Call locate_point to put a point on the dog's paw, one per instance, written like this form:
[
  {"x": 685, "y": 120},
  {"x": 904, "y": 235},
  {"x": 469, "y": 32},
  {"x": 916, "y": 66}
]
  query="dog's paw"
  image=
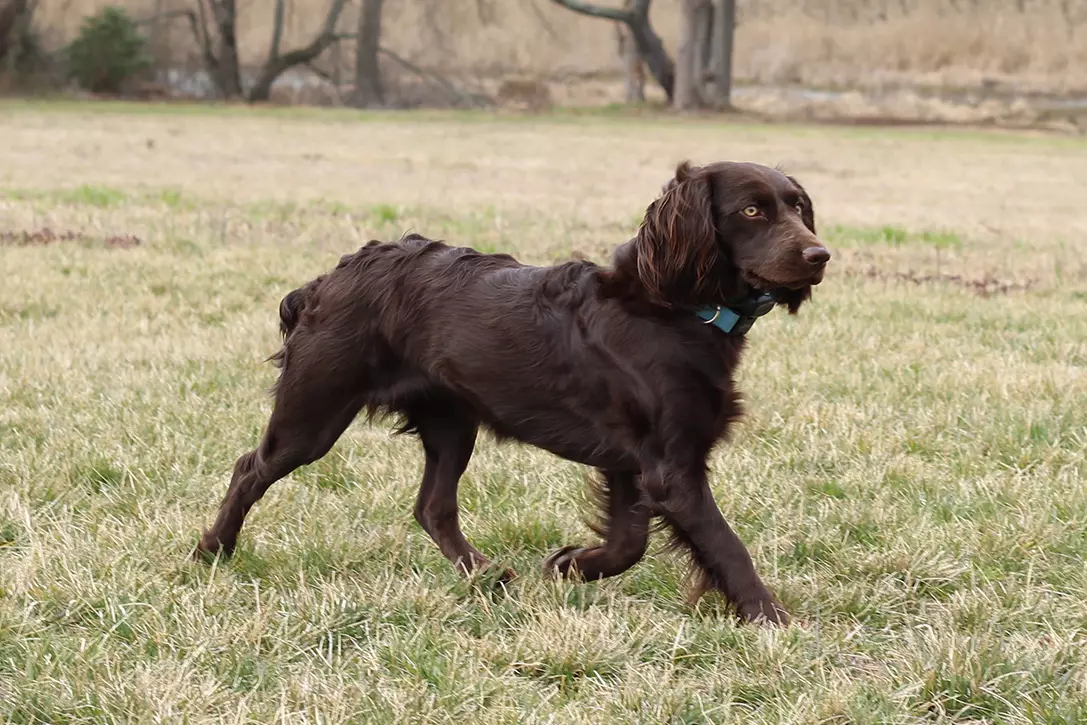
[
  {"x": 210, "y": 547},
  {"x": 560, "y": 563},
  {"x": 501, "y": 576},
  {"x": 763, "y": 611}
]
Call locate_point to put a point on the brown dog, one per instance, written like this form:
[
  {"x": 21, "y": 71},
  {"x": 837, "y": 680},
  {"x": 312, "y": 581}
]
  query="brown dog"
[{"x": 627, "y": 368}]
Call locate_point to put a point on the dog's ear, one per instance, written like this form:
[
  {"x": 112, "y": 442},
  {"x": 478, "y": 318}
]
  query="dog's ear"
[{"x": 677, "y": 242}]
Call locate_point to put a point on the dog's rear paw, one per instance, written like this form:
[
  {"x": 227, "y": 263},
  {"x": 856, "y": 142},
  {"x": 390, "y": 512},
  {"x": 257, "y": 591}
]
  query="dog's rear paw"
[
  {"x": 561, "y": 563},
  {"x": 501, "y": 575}
]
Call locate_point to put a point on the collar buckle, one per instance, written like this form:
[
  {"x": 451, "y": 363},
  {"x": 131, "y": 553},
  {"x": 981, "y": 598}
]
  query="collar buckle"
[{"x": 737, "y": 316}]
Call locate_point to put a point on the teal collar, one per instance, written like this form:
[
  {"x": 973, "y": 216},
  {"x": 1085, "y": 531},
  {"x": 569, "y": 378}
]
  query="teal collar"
[{"x": 737, "y": 316}]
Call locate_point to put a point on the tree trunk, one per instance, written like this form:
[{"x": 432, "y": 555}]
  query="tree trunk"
[
  {"x": 687, "y": 94},
  {"x": 633, "y": 68},
  {"x": 724, "y": 30},
  {"x": 228, "y": 75},
  {"x": 653, "y": 53},
  {"x": 705, "y": 43},
  {"x": 368, "y": 90},
  {"x": 278, "y": 64},
  {"x": 12, "y": 13},
  {"x": 634, "y": 71}
]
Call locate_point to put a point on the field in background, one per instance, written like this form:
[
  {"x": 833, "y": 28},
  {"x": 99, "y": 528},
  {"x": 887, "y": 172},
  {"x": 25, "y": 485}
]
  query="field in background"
[
  {"x": 909, "y": 478},
  {"x": 1030, "y": 45}
]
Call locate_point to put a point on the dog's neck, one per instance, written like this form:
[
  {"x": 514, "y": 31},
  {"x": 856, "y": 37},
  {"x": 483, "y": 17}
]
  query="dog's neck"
[
  {"x": 732, "y": 310},
  {"x": 736, "y": 317}
]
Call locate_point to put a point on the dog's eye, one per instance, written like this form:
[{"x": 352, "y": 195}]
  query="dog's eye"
[
  {"x": 751, "y": 211},
  {"x": 799, "y": 207}
]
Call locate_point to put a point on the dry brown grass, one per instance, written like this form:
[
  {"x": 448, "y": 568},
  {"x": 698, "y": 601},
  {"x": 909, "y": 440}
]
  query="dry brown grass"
[
  {"x": 922, "y": 179},
  {"x": 909, "y": 477},
  {"x": 1042, "y": 46}
]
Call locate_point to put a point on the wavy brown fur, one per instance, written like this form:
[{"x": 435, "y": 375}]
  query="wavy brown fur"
[{"x": 604, "y": 365}]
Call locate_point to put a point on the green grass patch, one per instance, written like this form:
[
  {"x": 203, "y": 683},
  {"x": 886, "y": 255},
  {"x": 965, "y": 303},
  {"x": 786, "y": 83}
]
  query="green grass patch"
[{"x": 891, "y": 236}]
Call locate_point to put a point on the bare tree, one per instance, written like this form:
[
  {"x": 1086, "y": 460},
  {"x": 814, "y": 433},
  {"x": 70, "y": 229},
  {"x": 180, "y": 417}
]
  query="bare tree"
[
  {"x": 650, "y": 47},
  {"x": 705, "y": 40},
  {"x": 368, "y": 89},
  {"x": 688, "y": 57},
  {"x": 277, "y": 64},
  {"x": 724, "y": 31},
  {"x": 13, "y": 16},
  {"x": 633, "y": 67},
  {"x": 223, "y": 63}
]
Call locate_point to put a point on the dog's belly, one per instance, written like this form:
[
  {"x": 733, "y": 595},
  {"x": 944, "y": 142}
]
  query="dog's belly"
[{"x": 564, "y": 435}]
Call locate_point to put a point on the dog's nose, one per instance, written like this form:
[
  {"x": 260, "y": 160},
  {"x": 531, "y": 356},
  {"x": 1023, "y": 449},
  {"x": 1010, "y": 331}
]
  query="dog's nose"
[{"x": 816, "y": 256}]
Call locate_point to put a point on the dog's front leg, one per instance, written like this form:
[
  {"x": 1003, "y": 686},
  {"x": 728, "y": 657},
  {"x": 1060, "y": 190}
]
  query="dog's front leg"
[{"x": 684, "y": 499}]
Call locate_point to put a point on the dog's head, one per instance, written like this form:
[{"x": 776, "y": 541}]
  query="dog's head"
[{"x": 723, "y": 230}]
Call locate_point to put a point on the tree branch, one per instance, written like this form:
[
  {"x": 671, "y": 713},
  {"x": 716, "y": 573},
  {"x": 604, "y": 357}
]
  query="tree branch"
[
  {"x": 280, "y": 63},
  {"x": 325, "y": 76},
  {"x": 169, "y": 15},
  {"x": 542, "y": 19},
  {"x": 277, "y": 31},
  {"x": 485, "y": 12},
  {"x": 412, "y": 68},
  {"x": 636, "y": 17},
  {"x": 203, "y": 41},
  {"x": 424, "y": 74},
  {"x": 622, "y": 16}
]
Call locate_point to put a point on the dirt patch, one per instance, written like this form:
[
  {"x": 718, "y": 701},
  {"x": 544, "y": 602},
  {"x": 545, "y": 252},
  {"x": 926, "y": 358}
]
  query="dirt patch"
[
  {"x": 123, "y": 241},
  {"x": 987, "y": 286},
  {"x": 46, "y": 236},
  {"x": 39, "y": 238}
]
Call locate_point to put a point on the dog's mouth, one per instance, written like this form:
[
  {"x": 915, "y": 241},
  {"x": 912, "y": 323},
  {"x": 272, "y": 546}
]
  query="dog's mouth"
[{"x": 762, "y": 284}]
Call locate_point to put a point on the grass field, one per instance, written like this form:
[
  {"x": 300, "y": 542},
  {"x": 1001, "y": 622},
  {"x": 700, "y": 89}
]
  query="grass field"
[{"x": 910, "y": 478}]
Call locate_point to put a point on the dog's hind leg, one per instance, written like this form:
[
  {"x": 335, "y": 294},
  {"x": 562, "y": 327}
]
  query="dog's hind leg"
[
  {"x": 447, "y": 429},
  {"x": 624, "y": 528},
  {"x": 314, "y": 404}
]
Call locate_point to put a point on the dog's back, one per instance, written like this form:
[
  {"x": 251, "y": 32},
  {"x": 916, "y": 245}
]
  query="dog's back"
[{"x": 378, "y": 269}]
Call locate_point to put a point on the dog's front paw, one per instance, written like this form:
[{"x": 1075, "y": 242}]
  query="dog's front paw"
[
  {"x": 209, "y": 547},
  {"x": 763, "y": 611},
  {"x": 561, "y": 563}
]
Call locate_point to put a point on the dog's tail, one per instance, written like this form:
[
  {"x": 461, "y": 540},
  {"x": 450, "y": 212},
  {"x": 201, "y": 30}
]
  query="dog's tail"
[{"x": 291, "y": 308}]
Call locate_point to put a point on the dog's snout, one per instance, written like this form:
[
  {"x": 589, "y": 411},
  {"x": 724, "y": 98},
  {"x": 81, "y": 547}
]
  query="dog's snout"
[{"x": 817, "y": 256}]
